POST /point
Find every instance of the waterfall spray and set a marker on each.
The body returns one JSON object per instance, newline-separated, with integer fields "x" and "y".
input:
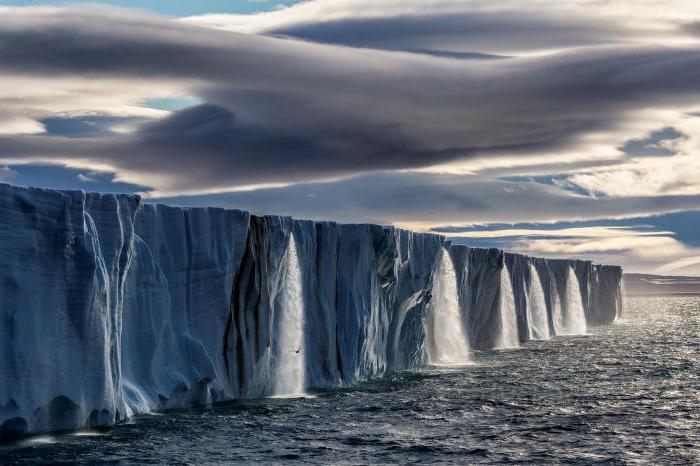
{"x": 290, "y": 374}
{"x": 508, "y": 338}
{"x": 569, "y": 316}
{"x": 620, "y": 301}
{"x": 538, "y": 322}
{"x": 449, "y": 340}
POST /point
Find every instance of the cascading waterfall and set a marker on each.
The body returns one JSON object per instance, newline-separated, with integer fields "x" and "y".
{"x": 289, "y": 363}
{"x": 538, "y": 323}
{"x": 508, "y": 338}
{"x": 569, "y": 316}
{"x": 449, "y": 340}
{"x": 574, "y": 303}
{"x": 620, "y": 302}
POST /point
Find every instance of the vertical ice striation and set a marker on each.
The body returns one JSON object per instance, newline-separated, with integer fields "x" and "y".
{"x": 537, "y": 317}
{"x": 110, "y": 307}
{"x": 289, "y": 355}
{"x": 448, "y": 340}
{"x": 606, "y": 293}
{"x": 508, "y": 336}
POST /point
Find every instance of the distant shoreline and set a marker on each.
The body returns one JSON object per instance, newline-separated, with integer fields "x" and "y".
{"x": 637, "y": 284}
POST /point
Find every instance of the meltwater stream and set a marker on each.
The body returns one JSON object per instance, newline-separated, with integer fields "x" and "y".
{"x": 569, "y": 317}
{"x": 289, "y": 373}
{"x": 508, "y": 337}
{"x": 537, "y": 318}
{"x": 449, "y": 344}
{"x": 626, "y": 393}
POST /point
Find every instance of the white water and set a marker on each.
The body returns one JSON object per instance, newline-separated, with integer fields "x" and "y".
{"x": 538, "y": 323}
{"x": 449, "y": 341}
{"x": 570, "y": 317}
{"x": 621, "y": 304}
{"x": 290, "y": 374}
{"x": 508, "y": 337}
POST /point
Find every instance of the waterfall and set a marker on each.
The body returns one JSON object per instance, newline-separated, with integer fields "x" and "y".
{"x": 538, "y": 322}
{"x": 449, "y": 340}
{"x": 569, "y": 317}
{"x": 508, "y": 338}
{"x": 289, "y": 363}
{"x": 620, "y": 301}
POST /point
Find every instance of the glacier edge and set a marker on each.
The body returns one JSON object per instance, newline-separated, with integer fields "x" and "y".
{"x": 111, "y": 307}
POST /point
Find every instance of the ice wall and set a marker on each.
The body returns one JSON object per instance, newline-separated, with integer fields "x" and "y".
{"x": 177, "y": 297}
{"x": 110, "y": 307}
{"x": 605, "y": 295}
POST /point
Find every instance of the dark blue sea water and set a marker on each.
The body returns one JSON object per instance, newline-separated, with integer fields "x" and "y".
{"x": 627, "y": 393}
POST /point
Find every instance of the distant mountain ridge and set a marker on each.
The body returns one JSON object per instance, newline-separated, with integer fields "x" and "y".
{"x": 643, "y": 284}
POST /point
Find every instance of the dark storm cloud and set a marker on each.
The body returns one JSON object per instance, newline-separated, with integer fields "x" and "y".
{"x": 286, "y": 111}
{"x": 206, "y": 146}
{"x": 478, "y": 32}
{"x": 257, "y": 153}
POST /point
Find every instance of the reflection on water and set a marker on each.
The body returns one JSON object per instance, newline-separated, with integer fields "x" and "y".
{"x": 624, "y": 393}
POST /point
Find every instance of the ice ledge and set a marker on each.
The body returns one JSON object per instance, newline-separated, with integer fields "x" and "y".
{"x": 110, "y": 307}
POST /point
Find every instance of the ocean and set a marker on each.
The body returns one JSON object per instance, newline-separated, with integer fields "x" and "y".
{"x": 625, "y": 393}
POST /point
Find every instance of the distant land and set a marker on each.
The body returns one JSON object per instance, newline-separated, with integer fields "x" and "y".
{"x": 642, "y": 284}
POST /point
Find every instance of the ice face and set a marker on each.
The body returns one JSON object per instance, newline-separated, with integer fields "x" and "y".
{"x": 110, "y": 307}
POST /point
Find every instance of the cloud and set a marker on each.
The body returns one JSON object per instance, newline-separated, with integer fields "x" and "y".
{"x": 422, "y": 201}
{"x": 19, "y": 125}
{"x": 493, "y": 33}
{"x": 7, "y": 173}
{"x": 481, "y": 210}
{"x": 659, "y": 142}
{"x": 654, "y": 177}
{"x": 81, "y": 126}
{"x": 640, "y": 248}
{"x": 648, "y": 254}
{"x": 681, "y": 265}
{"x": 569, "y": 233}
{"x": 510, "y": 26}
{"x": 87, "y": 178}
{"x": 669, "y": 165}
{"x": 693, "y": 28}
{"x": 647, "y": 246}
{"x": 284, "y": 111}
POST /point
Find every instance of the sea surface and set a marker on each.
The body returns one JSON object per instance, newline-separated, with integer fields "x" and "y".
{"x": 627, "y": 393}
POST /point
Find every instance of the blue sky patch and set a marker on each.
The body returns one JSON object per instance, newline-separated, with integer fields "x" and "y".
{"x": 173, "y": 7}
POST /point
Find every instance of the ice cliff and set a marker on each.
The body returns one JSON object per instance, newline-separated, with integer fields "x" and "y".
{"x": 110, "y": 307}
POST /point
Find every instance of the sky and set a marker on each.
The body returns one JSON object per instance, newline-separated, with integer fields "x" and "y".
{"x": 555, "y": 129}
{"x": 176, "y": 8}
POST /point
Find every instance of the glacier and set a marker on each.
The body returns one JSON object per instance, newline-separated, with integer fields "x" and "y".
{"x": 110, "y": 307}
